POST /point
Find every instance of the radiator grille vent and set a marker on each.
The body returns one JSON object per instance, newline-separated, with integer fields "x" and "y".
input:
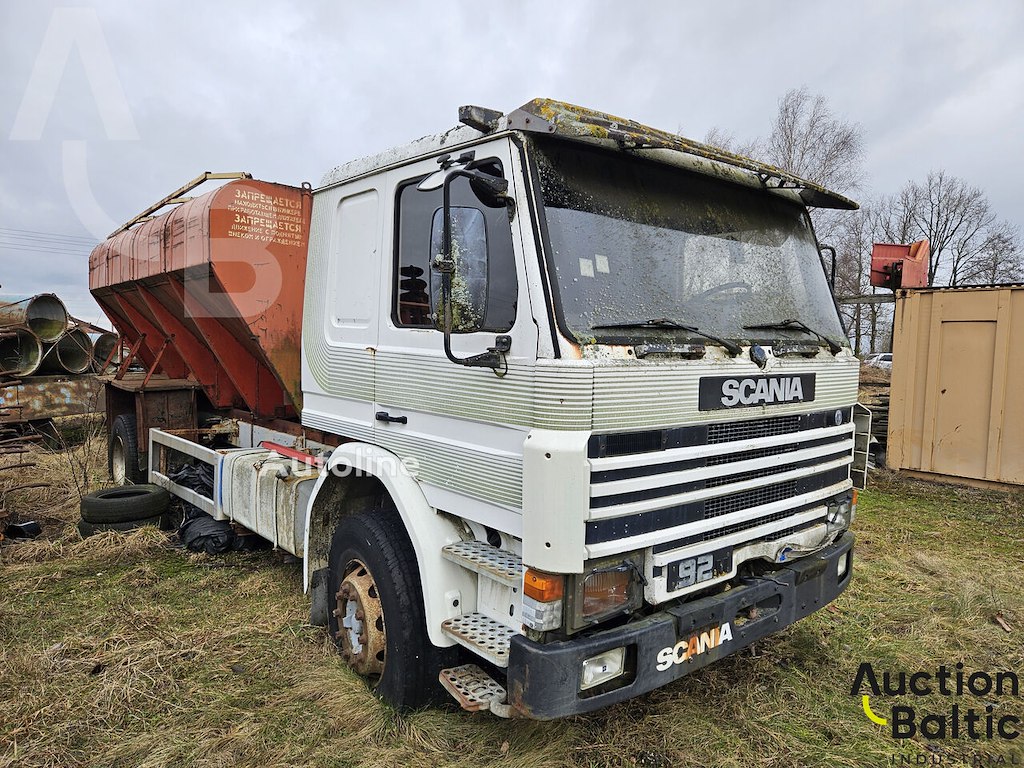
{"x": 731, "y": 431}
{"x": 734, "y": 502}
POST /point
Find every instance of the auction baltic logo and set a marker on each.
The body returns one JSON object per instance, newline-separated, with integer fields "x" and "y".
{"x": 953, "y": 721}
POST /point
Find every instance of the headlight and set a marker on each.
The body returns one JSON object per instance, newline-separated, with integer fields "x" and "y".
{"x": 841, "y": 511}
{"x": 607, "y": 587}
{"x": 606, "y": 591}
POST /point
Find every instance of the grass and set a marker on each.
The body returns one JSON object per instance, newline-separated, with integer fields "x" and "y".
{"x": 127, "y": 651}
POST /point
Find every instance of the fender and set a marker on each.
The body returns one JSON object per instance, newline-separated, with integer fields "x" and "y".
{"x": 448, "y": 589}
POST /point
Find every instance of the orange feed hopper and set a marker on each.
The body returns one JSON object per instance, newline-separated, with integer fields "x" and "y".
{"x": 213, "y": 290}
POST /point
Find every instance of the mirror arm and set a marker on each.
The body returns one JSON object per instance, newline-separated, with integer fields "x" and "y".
{"x": 832, "y": 273}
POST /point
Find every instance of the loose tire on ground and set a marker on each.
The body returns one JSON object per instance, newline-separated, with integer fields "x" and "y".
{"x": 373, "y": 563}
{"x": 123, "y": 451}
{"x": 88, "y": 529}
{"x": 124, "y": 503}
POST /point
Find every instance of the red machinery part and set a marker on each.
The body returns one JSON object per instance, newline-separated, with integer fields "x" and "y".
{"x": 899, "y": 266}
{"x": 293, "y": 453}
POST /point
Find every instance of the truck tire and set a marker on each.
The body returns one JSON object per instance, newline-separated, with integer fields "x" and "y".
{"x": 377, "y": 619}
{"x": 124, "y": 504}
{"x": 123, "y": 451}
{"x": 88, "y": 529}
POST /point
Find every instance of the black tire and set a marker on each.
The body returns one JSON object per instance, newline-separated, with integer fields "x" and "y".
{"x": 124, "y": 504}
{"x": 377, "y": 539}
{"x": 123, "y": 457}
{"x": 88, "y": 529}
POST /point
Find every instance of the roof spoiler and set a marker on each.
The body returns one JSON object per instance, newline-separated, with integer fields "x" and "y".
{"x": 558, "y": 118}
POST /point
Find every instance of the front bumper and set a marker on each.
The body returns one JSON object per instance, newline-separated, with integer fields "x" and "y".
{"x": 544, "y": 679}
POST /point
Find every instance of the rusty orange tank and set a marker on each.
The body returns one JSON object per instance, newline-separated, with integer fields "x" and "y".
{"x": 212, "y": 291}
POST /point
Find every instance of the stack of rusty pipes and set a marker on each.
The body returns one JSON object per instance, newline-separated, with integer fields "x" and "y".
{"x": 38, "y": 336}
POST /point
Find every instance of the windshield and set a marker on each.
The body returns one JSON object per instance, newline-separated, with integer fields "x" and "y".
{"x": 633, "y": 240}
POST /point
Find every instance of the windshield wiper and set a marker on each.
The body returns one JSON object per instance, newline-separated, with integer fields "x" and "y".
{"x": 664, "y": 322}
{"x": 795, "y": 325}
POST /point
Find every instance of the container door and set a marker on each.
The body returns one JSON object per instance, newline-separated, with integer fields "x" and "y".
{"x": 459, "y": 429}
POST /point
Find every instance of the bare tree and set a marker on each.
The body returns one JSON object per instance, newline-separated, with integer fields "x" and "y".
{"x": 806, "y": 139}
{"x": 851, "y": 275}
{"x": 1000, "y": 259}
{"x": 719, "y": 137}
{"x": 809, "y": 140}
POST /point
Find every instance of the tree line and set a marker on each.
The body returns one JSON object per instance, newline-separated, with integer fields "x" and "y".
{"x": 969, "y": 243}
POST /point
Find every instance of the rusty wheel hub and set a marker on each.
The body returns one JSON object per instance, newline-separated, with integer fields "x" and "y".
{"x": 361, "y": 621}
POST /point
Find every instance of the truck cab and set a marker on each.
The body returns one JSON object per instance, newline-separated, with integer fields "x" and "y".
{"x": 611, "y": 360}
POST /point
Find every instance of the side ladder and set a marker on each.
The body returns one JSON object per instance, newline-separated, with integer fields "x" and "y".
{"x": 488, "y": 631}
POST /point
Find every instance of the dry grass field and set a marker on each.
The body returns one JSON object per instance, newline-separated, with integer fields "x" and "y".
{"x": 125, "y": 650}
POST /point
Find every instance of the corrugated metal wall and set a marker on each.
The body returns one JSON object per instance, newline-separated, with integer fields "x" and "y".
{"x": 957, "y": 397}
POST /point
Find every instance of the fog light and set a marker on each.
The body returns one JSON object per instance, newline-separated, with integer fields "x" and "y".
{"x": 602, "y": 668}
{"x": 842, "y": 565}
{"x": 607, "y": 590}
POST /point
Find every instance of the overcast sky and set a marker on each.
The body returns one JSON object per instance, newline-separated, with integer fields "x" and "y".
{"x": 152, "y": 94}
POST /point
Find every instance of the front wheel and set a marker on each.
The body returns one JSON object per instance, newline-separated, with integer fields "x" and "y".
{"x": 377, "y": 620}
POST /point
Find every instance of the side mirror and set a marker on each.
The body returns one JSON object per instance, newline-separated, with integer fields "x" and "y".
{"x": 461, "y": 261}
{"x": 465, "y": 267}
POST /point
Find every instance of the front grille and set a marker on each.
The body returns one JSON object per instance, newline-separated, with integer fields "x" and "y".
{"x": 693, "y": 498}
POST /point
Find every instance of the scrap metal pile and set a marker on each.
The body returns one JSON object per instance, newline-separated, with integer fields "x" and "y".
{"x": 48, "y": 362}
{"x": 37, "y": 336}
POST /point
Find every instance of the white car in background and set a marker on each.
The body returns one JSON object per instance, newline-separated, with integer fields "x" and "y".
{"x": 880, "y": 360}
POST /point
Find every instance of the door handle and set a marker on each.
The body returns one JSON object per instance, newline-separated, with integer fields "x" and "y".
{"x": 387, "y": 417}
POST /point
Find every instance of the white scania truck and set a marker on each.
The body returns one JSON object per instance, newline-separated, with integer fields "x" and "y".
{"x": 554, "y": 407}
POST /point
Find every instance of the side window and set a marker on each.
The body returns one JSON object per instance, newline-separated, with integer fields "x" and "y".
{"x": 485, "y": 292}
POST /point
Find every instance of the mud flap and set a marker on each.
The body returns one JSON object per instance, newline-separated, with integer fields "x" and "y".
{"x": 318, "y": 598}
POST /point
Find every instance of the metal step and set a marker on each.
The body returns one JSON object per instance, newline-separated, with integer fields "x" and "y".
{"x": 479, "y": 556}
{"x": 482, "y": 635}
{"x": 473, "y": 688}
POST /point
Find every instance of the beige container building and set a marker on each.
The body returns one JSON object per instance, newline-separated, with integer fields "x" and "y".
{"x": 957, "y": 398}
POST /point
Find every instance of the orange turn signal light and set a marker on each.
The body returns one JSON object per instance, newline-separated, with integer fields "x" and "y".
{"x": 543, "y": 587}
